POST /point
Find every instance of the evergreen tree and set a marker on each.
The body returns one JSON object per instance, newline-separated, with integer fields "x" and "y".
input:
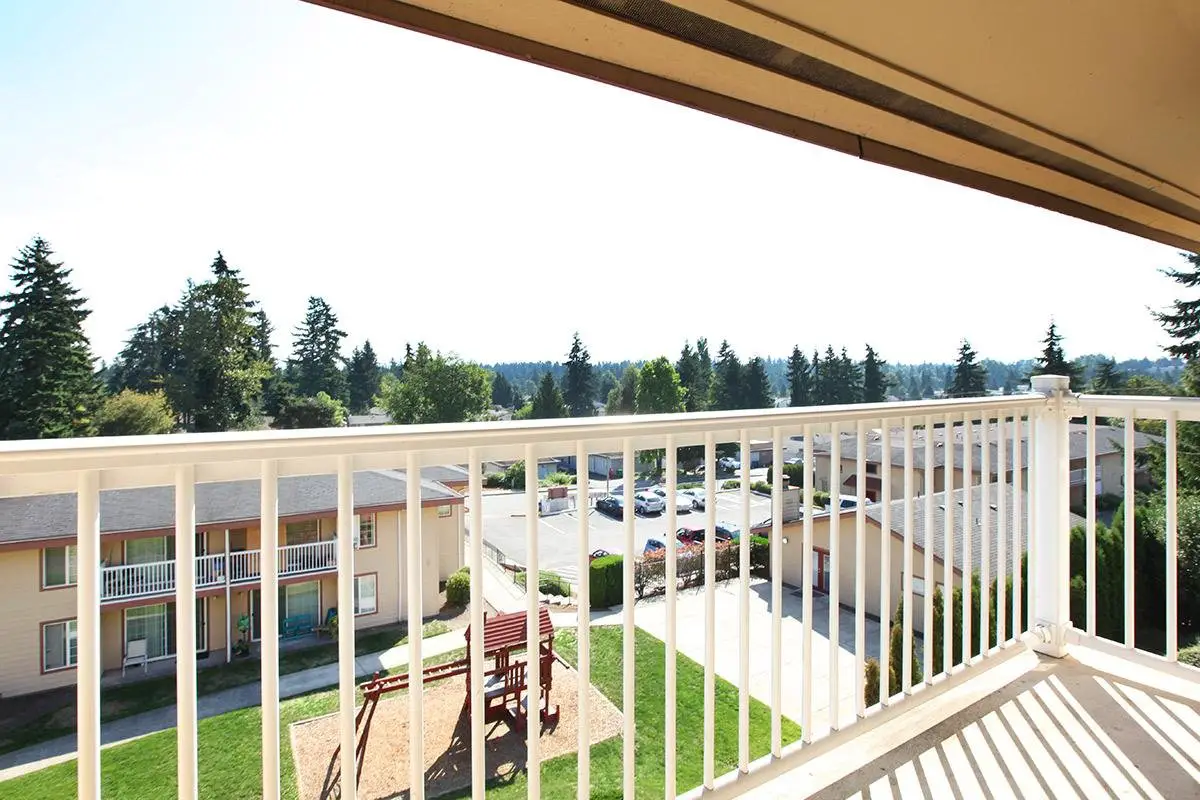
{"x": 927, "y": 383}
{"x": 849, "y": 380}
{"x": 727, "y": 380}
{"x": 701, "y": 385}
{"x": 756, "y": 388}
{"x": 503, "y": 394}
{"x": 1182, "y": 320}
{"x": 659, "y": 390}
{"x": 48, "y": 387}
{"x": 623, "y": 398}
{"x": 688, "y": 368}
{"x": 579, "y": 383}
{"x": 548, "y": 402}
{"x": 799, "y": 377}
{"x": 607, "y": 382}
{"x": 362, "y": 378}
{"x": 261, "y": 341}
{"x": 150, "y": 359}
{"x": 1108, "y": 379}
{"x": 1053, "y": 360}
{"x": 317, "y": 352}
{"x": 825, "y": 378}
{"x": 875, "y": 382}
{"x": 970, "y": 379}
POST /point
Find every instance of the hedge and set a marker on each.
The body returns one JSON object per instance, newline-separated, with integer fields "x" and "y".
{"x": 732, "y": 484}
{"x": 794, "y": 473}
{"x": 604, "y": 581}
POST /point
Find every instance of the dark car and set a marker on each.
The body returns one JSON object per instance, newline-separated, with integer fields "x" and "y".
{"x": 653, "y": 546}
{"x": 726, "y": 532}
{"x": 613, "y": 505}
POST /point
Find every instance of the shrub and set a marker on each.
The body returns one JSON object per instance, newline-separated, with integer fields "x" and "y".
{"x": 691, "y": 485}
{"x": 1190, "y": 655}
{"x": 733, "y": 484}
{"x": 761, "y": 486}
{"x": 495, "y": 480}
{"x": 458, "y": 588}
{"x": 604, "y": 580}
{"x": 550, "y": 583}
{"x": 794, "y": 473}
{"x": 558, "y": 479}
{"x": 871, "y": 682}
{"x": 821, "y": 499}
{"x": 514, "y": 476}
{"x": 760, "y": 555}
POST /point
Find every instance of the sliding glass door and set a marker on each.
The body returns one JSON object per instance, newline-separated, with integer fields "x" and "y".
{"x": 156, "y": 625}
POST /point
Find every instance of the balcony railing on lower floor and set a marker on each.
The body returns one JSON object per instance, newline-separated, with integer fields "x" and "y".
{"x": 131, "y": 581}
{"x": 1019, "y": 549}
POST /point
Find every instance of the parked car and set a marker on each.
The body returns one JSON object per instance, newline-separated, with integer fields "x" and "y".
{"x": 728, "y": 464}
{"x": 683, "y": 503}
{"x": 697, "y": 497}
{"x": 653, "y": 546}
{"x": 690, "y": 535}
{"x": 648, "y": 503}
{"x": 727, "y": 532}
{"x": 613, "y": 505}
{"x": 598, "y": 554}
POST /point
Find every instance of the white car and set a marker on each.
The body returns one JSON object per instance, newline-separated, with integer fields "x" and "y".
{"x": 648, "y": 503}
{"x": 683, "y": 503}
{"x": 729, "y": 464}
{"x": 696, "y": 496}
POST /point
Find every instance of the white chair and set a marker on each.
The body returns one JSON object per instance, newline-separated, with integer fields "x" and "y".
{"x": 135, "y": 653}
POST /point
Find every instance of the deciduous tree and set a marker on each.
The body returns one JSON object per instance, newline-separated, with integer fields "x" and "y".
{"x": 659, "y": 390}
{"x": 321, "y": 411}
{"x": 130, "y": 413}
{"x": 436, "y": 388}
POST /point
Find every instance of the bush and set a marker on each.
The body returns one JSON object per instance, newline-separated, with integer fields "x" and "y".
{"x": 733, "y": 484}
{"x": 550, "y": 583}
{"x": 692, "y": 485}
{"x": 794, "y": 473}
{"x": 514, "y": 476}
{"x": 604, "y": 580}
{"x": 1108, "y": 502}
{"x": 760, "y": 555}
{"x": 495, "y": 480}
{"x": 871, "y": 682}
{"x": 761, "y": 486}
{"x": 558, "y": 479}
{"x": 458, "y": 588}
{"x": 1190, "y": 655}
{"x": 821, "y": 499}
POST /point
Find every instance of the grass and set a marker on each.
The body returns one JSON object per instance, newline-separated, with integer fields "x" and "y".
{"x": 230, "y": 744}
{"x": 134, "y": 698}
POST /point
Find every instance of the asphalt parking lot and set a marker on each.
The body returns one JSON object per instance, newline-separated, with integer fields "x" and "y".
{"x": 504, "y": 527}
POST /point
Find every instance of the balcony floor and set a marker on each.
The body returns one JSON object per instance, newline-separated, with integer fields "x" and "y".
{"x": 1062, "y": 728}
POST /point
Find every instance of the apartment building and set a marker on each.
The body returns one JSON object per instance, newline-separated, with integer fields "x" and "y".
{"x": 39, "y": 571}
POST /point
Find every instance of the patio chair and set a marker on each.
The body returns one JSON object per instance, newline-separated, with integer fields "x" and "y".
{"x": 326, "y": 626}
{"x": 135, "y": 653}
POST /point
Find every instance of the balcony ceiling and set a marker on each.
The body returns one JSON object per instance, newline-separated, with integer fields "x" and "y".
{"x": 1086, "y": 109}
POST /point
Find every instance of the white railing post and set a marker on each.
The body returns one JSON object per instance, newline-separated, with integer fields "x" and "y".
{"x": 1050, "y": 526}
{"x": 269, "y": 535}
{"x": 87, "y": 633}
{"x": 185, "y": 631}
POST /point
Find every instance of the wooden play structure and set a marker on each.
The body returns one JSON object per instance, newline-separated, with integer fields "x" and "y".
{"x": 505, "y": 680}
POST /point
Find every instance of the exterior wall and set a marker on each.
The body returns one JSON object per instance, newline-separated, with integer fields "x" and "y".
{"x": 1111, "y": 467}
{"x": 217, "y": 630}
{"x": 112, "y": 639}
{"x": 26, "y": 607}
{"x": 793, "y": 563}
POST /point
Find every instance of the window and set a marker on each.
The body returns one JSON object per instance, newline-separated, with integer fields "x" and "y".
{"x": 59, "y": 567}
{"x": 302, "y": 532}
{"x": 59, "y": 646}
{"x": 364, "y": 595}
{"x": 872, "y": 468}
{"x": 366, "y": 530}
{"x": 445, "y": 511}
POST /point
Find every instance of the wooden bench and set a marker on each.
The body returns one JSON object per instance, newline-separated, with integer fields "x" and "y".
{"x": 299, "y": 625}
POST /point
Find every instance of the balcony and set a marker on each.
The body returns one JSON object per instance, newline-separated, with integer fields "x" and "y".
{"x": 157, "y": 578}
{"x": 1032, "y": 699}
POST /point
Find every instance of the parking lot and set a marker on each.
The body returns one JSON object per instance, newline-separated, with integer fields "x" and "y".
{"x": 504, "y": 528}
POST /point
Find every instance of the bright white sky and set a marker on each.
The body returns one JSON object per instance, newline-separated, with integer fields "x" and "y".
{"x": 491, "y": 207}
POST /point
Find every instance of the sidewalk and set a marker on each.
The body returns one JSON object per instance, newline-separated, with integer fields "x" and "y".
{"x": 55, "y": 751}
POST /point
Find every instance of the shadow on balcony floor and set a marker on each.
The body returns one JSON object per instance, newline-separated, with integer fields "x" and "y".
{"x": 1063, "y": 730}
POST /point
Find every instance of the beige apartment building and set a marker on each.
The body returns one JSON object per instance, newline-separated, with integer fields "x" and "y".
{"x": 38, "y": 571}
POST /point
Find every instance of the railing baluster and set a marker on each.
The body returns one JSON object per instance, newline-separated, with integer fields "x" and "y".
{"x": 806, "y": 709}
{"x": 478, "y": 752}
{"x": 1018, "y": 549}
{"x": 1032, "y": 503}
{"x": 835, "y": 538}
{"x": 1130, "y": 507}
{"x": 985, "y": 534}
{"x": 629, "y": 654}
{"x": 909, "y": 524}
{"x": 968, "y": 519}
{"x": 1001, "y": 527}
{"x": 583, "y": 636}
{"x": 1172, "y": 538}
{"x": 743, "y": 608}
{"x": 1090, "y": 491}
{"x": 776, "y": 593}
{"x": 185, "y": 631}
{"x": 860, "y": 566}
{"x": 949, "y": 446}
{"x": 87, "y": 634}
{"x": 345, "y": 590}
{"x": 669, "y": 738}
{"x": 928, "y": 632}
{"x": 885, "y": 562}
{"x": 710, "y": 612}
{"x": 269, "y": 534}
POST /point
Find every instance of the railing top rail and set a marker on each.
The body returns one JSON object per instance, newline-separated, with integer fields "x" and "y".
{"x": 307, "y": 451}
{"x": 1141, "y": 406}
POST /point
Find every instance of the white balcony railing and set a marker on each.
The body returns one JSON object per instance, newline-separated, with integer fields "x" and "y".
{"x": 827, "y": 706}
{"x": 131, "y": 581}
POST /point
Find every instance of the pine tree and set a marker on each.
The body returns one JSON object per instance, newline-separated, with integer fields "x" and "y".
{"x": 970, "y": 379}
{"x": 362, "y": 378}
{"x": 688, "y": 368}
{"x": 1182, "y": 320}
{"x": 849, "y": 385}
{"x": 799, "y": 377}
{"x": 623, "y": 398}
{"x": 48, "y": 387}
{"x": 727, "y": 380}
{"x": 756, "y": 388}
{"x": 1108, "y": 379}
{"x": 503, "y": 394}
{"x": 702, "y": 385}
{"x": 548, "y": 402}
{"x": 607, "y": 382}
{"x": 579, "y": 383}
{"x": 151, "y": 357}
{"x": 875, "y": 382}
{"x": 825, "y": 378}
{"x": 317, "y": 352}
{"x": 1053, "y": 361}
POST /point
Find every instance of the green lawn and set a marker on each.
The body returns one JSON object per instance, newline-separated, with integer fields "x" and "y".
{"x": 133, "y": 698}
{"x": 230, "y": 749}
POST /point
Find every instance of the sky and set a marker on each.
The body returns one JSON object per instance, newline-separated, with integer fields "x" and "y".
{"x": 491, "y": 207}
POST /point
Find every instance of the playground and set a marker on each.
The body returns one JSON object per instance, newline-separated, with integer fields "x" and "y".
{"x": 382, "y": 730}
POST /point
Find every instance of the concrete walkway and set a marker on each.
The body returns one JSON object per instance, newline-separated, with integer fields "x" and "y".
{"x": 55, "y": 751}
